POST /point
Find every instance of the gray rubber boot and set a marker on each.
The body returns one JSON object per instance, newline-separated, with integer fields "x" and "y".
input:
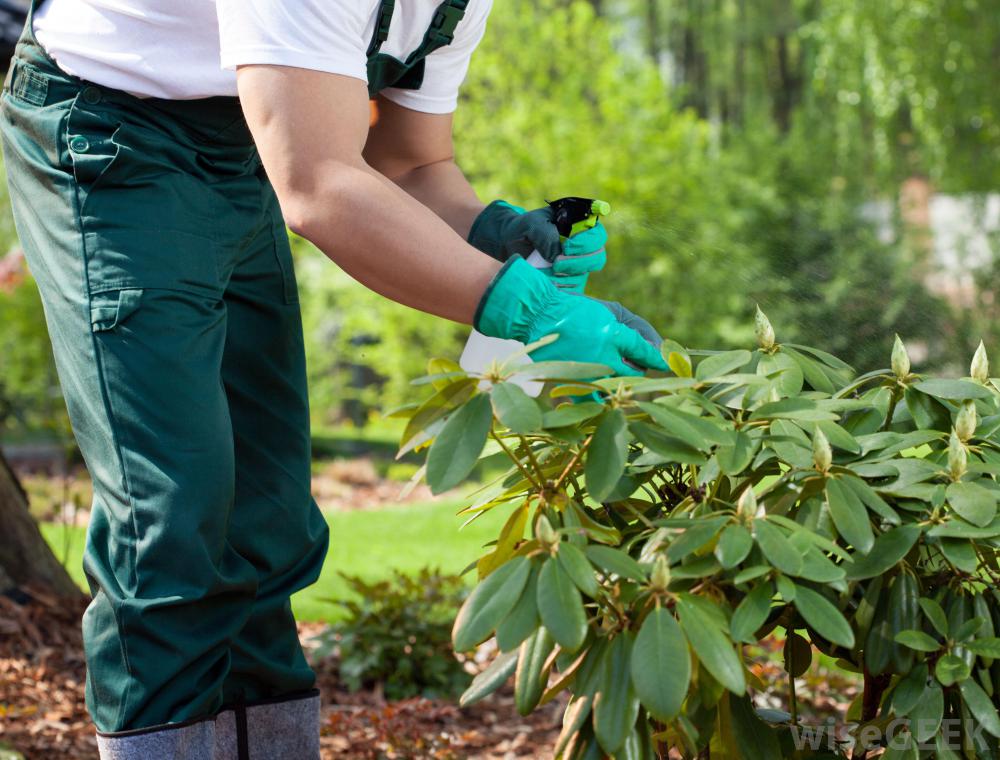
{"x": 194, "y": 740}
{"x": 285, "y": 728}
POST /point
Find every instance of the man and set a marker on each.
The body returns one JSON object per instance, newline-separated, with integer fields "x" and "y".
{"x": 156, "y": 237}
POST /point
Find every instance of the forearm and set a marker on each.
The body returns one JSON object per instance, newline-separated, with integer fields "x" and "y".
{"x": 395, "y": 245}
{"x": 443, "y": 188}
{"x": 310, "y": 129}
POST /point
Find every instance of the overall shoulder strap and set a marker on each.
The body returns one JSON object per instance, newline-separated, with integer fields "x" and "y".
{"x": 441, "y": 32}
{"x": 382, "y": 21}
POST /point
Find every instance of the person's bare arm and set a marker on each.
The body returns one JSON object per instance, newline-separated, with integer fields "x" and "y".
{"x": 415, "y": 151}
{"x": 310, "y": 128}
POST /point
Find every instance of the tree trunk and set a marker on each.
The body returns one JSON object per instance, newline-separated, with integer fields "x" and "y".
{"x": 25, "y": 558}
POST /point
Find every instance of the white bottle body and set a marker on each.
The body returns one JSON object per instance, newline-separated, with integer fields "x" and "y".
{"x": 481, "y": 350}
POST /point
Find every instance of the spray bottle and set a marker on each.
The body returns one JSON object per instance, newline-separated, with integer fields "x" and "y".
{"x": 570, "y": 216}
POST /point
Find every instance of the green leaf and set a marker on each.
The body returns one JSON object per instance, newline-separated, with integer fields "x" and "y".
{"x": 909, "y": 690}
{"x": 798, "y": 654}
{"x": 785, "y": 372}
{"x": 734, "y": 545}
{"x": 962, "y": 529}
{"x": 988, "y": 647}
{"x": 615, "y": 561}
{"x": 670, "y": 448}
{"x": 561, "y": 607}
{"x": 926, "y": 715}
{"x": 433, "y": 409}
{"x": 961, "y": 553}
{"x": 607, "y": 455}
{"x": 751, "y": 613}
{"x": 515, "y": 408}
{"x": 980, "y": 706}
{"x": 888, "y": 549}
{"x": 457, "y": 447}
{"x": 839, "y": 437}
{"x": 578, "y": 568}
{"x": 523, "y": 619}
{"x": 557, "y": 370}
{"x": 793, "y": 409}
{"x": 711, "y": 644}
{"x": 823, "y": 617}
{"x": 953, "y": 390}
{"x": 491, "y": 679}
{"x": 693, "y": 430}
{"x": 972, "y": 502}
{"x": 532, "y": 676}
{"x": 849, "y": 515}
{"x": 918, "y": 641}
{"x": 755, "y": 739}
{"x": 568, "y": 415}
{"x": 489, "y": 603}
{"x": 952, "y": 669}
{"x": 736, "y": 457}
{"x": 661, "y": 665}
{"x": 871, "y": 499}
{"x": 935, "y": 614}
{"x": 721, "y": 364}
{"x": 616, "y": 705}
{"x": 778, "y": 550}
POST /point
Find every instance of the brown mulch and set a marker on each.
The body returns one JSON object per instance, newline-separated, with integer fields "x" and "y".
{"x": 42, "y": 713}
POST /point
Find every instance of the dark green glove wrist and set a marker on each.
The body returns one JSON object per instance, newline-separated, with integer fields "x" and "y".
{"x": 502, "y": 230}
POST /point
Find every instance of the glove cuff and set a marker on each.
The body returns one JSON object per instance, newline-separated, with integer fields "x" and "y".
{"x": 512, "y": 301}
{"x": 486, "y": 231}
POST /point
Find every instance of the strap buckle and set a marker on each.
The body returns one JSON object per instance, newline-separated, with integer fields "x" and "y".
{"x": 445, "y": 21}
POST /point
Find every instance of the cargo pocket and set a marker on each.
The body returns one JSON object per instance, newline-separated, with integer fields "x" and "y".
{"x": 111, "y": 308}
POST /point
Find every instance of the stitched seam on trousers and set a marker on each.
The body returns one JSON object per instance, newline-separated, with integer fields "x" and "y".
{"x": 106, "y": 401}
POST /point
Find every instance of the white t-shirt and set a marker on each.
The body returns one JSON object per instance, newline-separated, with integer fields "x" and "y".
{"x": 183, "y": 49}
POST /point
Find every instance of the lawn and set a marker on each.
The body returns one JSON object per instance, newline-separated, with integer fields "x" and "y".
{"x": 369, "y": 543}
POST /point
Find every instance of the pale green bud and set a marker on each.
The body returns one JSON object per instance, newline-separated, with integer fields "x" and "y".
{"x": 822, "y": 453}
{"x": 958, "y": 457}
{"x": 747, "y": 506}
{"x": 763, "y": 330}
{"x": 659, "y": 579}
{"x": 980, "y": 365}
{"x": 900, "y": 359}
{"x": 544, "y": 532}
{"x": 967, "y": 420}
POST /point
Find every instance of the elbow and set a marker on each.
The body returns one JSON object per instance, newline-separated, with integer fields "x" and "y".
{"x": 313, "y": 208}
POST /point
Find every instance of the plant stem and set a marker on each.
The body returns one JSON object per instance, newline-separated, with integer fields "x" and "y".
{"x": 516, "y": 461}
{"x": 573, "y": 462}
{"x": 531, "y": 457}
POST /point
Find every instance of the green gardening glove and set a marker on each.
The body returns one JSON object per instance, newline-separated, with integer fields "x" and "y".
{"x": 503, "y": 230}
{"x": 637, "y": 323}
{"x": 522, "y": 304}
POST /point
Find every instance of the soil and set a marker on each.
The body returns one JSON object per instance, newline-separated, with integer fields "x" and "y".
{"x": 42, "y": 712}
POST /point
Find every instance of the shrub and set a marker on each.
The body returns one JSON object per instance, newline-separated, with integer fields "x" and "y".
{"x": 398, "y": 634}
{"x": 655, "y": 532}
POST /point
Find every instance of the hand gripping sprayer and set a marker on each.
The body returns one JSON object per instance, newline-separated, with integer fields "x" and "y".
{"x": 570, "y": 215}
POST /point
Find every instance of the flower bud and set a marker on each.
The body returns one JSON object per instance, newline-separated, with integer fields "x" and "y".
{"x": 966, "y": 421}
{"x": 545, "y": 533}
{"x": 659, "y": 579}
{"x": 958, "y": 457}
{"x": 980, "y": 365}
{"x": 747, "y": 506}
{"x": 900, "y": 359}
{"x": 763, "y": 330}
{"x": 822, "y": 453}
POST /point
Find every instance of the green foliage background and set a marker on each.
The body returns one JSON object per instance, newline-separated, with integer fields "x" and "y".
{"x": 738, "y": 142}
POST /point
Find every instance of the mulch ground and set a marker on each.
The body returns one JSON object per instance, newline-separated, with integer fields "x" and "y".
{"x": 42, "y": 713}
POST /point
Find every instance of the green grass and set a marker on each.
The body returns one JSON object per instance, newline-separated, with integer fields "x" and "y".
{"x": 367, "y": 543}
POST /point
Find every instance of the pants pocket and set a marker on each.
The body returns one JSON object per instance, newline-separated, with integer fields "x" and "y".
{"x": 111, "y": 308}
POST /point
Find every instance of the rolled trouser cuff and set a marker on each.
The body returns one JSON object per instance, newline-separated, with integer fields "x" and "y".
{"x": 191, "y": 740}
{"x": 285, "y": 727}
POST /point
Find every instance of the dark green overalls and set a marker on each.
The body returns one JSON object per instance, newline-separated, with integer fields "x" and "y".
{"x": 163, "y": 263}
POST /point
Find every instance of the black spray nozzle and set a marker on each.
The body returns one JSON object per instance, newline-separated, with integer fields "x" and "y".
{"x": 571, "y": 211}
